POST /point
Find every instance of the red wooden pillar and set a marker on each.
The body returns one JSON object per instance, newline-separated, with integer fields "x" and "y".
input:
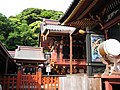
{"x": 54, "y": 55}
{"x": 70, "y": 54}
{"x": 18, "y": 79}
{"x": 108, "y": 86}
{"x": 29, "y": 75}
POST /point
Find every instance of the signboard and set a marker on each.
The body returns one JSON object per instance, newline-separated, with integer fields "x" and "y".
{"x": 95, "y": 42}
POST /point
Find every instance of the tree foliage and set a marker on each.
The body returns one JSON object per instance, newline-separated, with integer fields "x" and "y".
{"x": 23, "y": 29}
{"x": 5, "y": 28}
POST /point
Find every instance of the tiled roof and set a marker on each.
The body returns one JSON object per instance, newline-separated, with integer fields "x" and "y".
{"x": 12, "y": 53}
{"x": 29, "y": 53}
{"x": 55, "y": 28}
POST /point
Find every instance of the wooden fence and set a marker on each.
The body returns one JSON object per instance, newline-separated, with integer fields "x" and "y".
{"x": 50, "y": 82}
{"x": 29, "y": 82}
{"x": 8, "y": 82}
{"x": 53, "y": 82}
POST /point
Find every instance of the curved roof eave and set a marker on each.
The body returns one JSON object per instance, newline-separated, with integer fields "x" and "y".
{"x": 69, "y": 11}
{"x": 78, "y": 9}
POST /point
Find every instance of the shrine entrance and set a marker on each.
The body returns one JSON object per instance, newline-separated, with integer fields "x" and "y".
{"x": 29, "y": 78}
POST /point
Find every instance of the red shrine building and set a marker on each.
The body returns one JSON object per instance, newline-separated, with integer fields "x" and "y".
{"x": 96, "y": 21}
{"x": 67, "y": 44}
{"x": 55, "y": 40}
{"x": 72, "y": 50}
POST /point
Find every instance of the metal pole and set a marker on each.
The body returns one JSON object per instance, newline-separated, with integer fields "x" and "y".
{"x": 88, "y": 51}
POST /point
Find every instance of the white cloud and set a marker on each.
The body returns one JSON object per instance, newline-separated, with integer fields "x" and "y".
{"x": 13, "y": 7}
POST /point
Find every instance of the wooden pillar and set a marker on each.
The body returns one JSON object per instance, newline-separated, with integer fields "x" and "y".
{"x": 88, "y": 51}
{"x": 6, "y": 66}
{"x": 106, "y": 34}
{"x": 70, "y": 54}
{"x": 19, "y": 79}
{"x": 54, "y": 55}
{"x": 39, "y": 40}
{"x": 108, "y": 86}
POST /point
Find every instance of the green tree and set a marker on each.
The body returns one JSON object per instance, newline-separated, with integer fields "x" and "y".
{"x": 5, "y": 28}
{"x": 24, "y": 28}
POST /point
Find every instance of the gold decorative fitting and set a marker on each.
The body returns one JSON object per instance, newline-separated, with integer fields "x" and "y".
{"x": 82, "y": 31}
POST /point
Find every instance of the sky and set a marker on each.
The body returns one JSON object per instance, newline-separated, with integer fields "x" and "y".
{"x": 14, "y": 7}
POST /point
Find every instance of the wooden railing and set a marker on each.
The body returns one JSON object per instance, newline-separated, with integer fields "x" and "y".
{"x": 67, "y": 61}
{"x": 28, "y": 82}
{"x": 21, "y": 82}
